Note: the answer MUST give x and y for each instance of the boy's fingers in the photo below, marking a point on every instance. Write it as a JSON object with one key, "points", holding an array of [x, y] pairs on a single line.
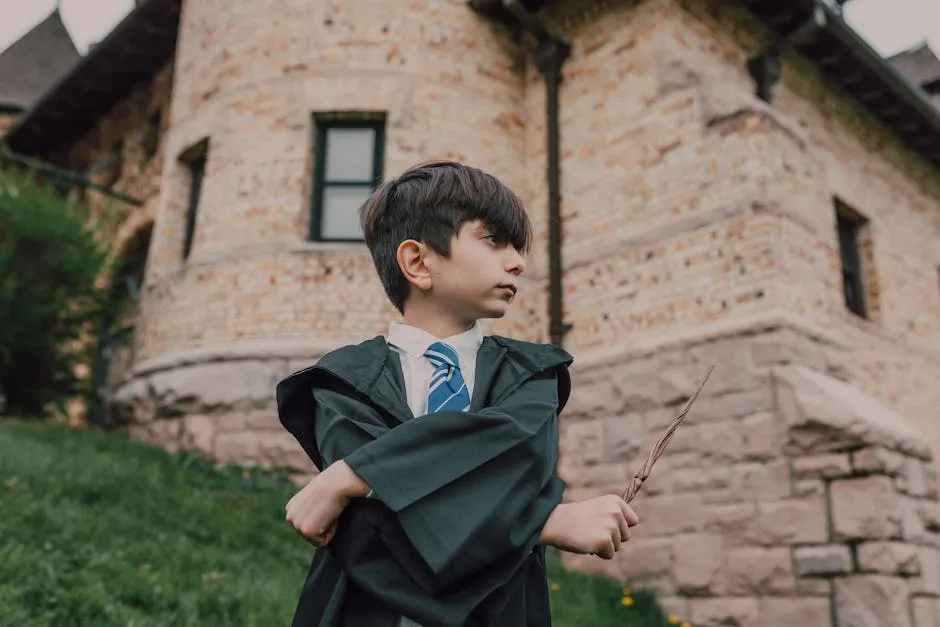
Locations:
{"points": [[624, 529], [628, 513]]}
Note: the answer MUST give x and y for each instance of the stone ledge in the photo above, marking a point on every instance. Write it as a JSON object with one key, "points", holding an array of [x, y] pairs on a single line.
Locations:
{"points": [[703, 334], [262, 348], [824, 415]]}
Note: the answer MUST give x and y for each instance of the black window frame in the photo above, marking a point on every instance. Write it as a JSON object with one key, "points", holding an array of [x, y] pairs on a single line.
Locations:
{"points": [[323, 123], [194, 159], [849, 225]]}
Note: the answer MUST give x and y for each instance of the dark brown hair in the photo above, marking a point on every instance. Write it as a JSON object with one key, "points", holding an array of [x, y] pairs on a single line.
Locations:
{"points": [[429, 203]]}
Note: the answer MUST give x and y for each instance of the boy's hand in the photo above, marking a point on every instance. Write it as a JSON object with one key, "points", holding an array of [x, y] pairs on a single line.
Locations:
{"points": [[314, 510], [599, 526]]}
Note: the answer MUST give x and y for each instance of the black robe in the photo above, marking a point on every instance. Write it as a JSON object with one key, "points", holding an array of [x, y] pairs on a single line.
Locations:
{"points": [[452, 537]]}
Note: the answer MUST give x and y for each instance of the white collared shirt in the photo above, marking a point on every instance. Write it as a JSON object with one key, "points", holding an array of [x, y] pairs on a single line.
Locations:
{"points": [[411, 343]]}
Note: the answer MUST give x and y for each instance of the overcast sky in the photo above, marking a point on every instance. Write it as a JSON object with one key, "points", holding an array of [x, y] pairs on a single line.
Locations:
{"points": [[888, 25]]}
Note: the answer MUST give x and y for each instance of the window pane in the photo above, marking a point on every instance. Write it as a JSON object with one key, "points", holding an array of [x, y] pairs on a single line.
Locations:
{"points": [[340, 215], [349, 154]]}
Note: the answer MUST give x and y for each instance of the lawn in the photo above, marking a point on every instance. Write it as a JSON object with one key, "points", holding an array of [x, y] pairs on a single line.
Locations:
{"points": [[97, 530]]}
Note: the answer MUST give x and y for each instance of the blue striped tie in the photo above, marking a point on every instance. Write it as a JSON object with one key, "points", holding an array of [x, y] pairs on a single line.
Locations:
{"points": [[447, 390]]}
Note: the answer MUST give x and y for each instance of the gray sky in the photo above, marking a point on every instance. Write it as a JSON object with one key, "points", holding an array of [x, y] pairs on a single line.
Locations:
{"points": [[888, 25]]}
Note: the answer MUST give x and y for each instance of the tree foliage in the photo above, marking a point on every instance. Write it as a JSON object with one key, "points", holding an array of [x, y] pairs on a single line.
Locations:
{"points": [[53, 259]]}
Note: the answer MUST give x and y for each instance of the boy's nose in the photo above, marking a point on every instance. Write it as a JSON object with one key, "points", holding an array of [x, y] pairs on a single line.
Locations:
{"points": [[516, 263]]}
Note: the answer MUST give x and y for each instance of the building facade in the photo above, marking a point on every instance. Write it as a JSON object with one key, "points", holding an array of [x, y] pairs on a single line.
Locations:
{"points": [[789, 239]]}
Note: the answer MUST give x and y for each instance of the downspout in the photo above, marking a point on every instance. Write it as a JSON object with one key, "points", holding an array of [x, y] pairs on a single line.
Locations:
{"points": [[549, 55]]}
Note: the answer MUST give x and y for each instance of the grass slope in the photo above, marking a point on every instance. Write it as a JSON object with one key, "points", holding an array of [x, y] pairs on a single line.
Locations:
{"points": [[98, 530]]}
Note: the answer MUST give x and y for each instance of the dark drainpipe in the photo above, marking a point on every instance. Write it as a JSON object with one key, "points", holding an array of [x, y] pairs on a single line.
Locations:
{"points": [[549, 55]]}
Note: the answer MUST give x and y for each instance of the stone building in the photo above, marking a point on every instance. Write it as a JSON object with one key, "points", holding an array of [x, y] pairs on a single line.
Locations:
{"points": [[738, 182]]}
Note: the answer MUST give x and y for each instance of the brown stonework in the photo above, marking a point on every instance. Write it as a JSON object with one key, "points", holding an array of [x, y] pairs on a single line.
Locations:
{"points": [[836, 523]]}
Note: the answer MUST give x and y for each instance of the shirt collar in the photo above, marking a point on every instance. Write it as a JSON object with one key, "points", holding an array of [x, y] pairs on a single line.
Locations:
{"points": [[415, 341]]}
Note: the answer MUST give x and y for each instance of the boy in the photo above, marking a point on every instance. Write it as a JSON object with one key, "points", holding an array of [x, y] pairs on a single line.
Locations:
{"points": [[438, 445]]}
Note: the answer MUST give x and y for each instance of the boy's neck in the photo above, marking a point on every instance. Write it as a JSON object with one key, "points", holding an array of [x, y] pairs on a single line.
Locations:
{"points": [[435, 322]]}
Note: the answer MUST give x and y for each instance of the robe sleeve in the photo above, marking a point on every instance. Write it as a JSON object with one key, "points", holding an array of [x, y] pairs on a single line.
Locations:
{"points": [[470, 490]]}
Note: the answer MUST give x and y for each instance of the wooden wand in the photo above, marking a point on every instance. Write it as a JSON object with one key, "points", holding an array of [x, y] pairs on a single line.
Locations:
{"points": [[634, 486]]}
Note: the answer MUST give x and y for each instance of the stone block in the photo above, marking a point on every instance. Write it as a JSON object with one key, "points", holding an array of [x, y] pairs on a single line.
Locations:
{"points": [[733, 405], [753, 481], [872, 601], [198, 432], [734, 520], [892, 558], [592, 398], [929, 512], [913, 525], [724, 612], [701, 479], [623, 437], [824, 415], [673, 514], [759, 571], [644, 558], [761, 437], [581, 440], [913, 477], [822, 561], [865, 508], [929, 559], [804, 612], [698, 566], [790, 521], [925, 611], [831, 466], [875, 459]]}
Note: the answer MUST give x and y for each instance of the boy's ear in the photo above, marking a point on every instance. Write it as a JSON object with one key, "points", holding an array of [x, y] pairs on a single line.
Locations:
{"points": [[412, 259]]}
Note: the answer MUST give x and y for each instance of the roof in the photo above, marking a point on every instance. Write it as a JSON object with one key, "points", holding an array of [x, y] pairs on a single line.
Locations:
{"points": [[129, 56], [841, 54], [36, 61], [919, 64]]}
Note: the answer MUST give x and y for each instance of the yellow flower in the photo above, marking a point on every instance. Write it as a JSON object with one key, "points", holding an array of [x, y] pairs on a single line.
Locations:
{"points": [[673, 620], [627, 601], [685, 625], [555, 586]]}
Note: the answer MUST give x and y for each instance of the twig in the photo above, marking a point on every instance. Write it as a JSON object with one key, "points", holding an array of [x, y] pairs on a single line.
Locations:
{"points": [[633, 487]]}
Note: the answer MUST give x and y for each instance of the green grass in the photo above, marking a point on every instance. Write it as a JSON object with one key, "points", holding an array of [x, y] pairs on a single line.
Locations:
{"points": [[96, 530]]}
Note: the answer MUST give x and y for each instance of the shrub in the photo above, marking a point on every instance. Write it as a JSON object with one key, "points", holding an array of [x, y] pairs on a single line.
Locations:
{"points": [[52, 260]]}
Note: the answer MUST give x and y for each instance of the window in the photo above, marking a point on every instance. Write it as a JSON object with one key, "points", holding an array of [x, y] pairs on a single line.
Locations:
{"points": [[194, 160], [347, 166], [850, 225]]}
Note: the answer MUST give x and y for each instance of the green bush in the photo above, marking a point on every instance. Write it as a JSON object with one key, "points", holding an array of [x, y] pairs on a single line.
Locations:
{"points": [[51, 259]]}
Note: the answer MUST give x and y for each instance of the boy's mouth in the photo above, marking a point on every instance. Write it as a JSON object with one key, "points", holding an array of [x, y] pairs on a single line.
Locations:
{"points": [[508, 286]]}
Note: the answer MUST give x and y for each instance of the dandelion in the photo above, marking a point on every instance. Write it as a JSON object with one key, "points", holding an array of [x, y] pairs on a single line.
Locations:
{"points": [[673, 620], [685, 625], [626, 601], [555, 586]]}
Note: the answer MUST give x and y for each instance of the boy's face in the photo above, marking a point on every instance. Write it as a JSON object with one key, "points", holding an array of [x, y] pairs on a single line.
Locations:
{"points": [[480, 277]]}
